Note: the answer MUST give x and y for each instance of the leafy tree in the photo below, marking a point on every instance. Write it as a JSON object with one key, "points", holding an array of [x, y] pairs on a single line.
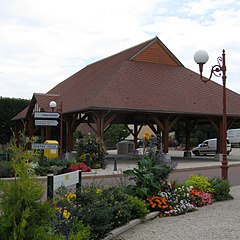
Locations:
{"points": [[9, 107], [114, 134]]}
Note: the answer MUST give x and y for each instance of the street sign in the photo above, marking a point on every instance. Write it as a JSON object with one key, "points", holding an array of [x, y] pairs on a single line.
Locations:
{"points": [[43, 122], [46, 115], [44, 146]]}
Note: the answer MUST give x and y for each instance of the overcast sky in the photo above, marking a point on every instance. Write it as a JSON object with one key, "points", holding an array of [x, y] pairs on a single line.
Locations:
{"points": [[42, 42]]}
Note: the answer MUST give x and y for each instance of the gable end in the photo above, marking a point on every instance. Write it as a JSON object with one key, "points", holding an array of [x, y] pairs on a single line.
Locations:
{"points": [[156, 53]]}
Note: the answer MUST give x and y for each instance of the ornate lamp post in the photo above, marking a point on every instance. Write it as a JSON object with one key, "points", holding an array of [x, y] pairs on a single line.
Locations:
{"points": [[219, 70], [53, 105]]}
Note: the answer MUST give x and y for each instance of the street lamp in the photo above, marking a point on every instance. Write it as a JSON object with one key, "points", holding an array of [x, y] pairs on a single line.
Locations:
{"points": [[53, 105], [219, 70]]}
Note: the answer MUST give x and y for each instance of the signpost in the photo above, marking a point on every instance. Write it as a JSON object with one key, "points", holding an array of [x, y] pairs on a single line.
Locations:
{"points": [[45, 119], [45, 122], [39, 146], [48, 115]]}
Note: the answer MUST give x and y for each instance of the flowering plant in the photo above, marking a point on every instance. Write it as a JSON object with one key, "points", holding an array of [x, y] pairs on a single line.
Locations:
{"points": [[159, 203], [146, 136], [175, 200], [200, 198], [65, 214], [80, 166], [96, 149]]}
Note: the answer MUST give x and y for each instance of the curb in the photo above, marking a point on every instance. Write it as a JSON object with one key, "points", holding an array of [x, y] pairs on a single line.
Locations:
{"points": [[117, 231]]}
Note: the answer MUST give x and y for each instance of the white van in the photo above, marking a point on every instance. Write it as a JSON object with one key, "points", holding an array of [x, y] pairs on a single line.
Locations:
{"points": [[234, 137], [209, 146]]}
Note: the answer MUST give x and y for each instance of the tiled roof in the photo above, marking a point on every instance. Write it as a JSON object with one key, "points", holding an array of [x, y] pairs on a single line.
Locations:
{"points": [[122, 82], [42, 101], [147, 78]]}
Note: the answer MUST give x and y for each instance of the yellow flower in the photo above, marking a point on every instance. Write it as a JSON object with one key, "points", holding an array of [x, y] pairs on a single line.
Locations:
{"points": [[98, 190], [147, 136], [59, 209], [70, 196], [66, 214]]}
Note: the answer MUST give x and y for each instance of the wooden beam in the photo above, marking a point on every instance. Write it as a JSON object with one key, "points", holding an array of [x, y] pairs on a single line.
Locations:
{"points": [[108, 121], [172, 124], [158, 122]]}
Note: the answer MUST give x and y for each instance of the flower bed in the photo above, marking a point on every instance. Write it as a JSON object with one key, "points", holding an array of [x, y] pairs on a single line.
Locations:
{"points": [[93, 211]]}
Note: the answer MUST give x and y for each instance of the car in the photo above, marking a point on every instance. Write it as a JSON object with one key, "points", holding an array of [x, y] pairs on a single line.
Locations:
{"points": [[209, 146]]}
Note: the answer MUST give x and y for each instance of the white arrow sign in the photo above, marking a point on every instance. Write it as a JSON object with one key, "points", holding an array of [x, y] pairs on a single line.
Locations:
{"points": [[43, 122], [46, 115], [44, 146]]}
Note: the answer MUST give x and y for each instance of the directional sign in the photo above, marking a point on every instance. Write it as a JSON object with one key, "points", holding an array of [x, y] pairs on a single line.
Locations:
{"points": [[46, 115], [44, 122], [44, 146]]}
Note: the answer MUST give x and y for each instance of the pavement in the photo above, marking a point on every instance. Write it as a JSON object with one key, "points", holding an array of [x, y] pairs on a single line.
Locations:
{"points": [[129, 161]]}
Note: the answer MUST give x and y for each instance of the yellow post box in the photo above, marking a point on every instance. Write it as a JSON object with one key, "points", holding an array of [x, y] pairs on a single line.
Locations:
{"points": [[51, 149]]}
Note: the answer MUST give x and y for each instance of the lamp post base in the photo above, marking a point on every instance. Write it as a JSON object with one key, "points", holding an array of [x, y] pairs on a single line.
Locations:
{"points": [[224, 172]]}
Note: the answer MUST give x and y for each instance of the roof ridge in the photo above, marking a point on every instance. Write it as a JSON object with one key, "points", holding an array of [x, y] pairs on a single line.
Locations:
{"points": [[48, 94]]}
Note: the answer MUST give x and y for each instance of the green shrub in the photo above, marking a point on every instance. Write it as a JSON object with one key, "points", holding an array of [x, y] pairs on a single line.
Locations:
{"points": [[152, 170], [52, 166], [138, 207], [119, 202], [80, 232], [6, 169], [221, 189], [92, 145], [99, 217], [200, 182], [88, 195]]}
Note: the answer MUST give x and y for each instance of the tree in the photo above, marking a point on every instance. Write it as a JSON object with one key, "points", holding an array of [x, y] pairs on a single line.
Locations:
{"points": [[114, 134], [9, 107]]}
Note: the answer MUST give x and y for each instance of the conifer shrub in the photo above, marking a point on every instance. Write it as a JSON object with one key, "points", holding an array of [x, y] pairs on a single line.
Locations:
{"points": [[23, 215]]}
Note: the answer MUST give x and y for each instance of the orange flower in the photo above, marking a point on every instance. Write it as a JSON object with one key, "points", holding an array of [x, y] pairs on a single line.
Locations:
{"points": [[164, 200]]}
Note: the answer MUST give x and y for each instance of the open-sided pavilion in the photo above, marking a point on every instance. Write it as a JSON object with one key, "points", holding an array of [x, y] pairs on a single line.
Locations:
{"points": [[143, 85]]}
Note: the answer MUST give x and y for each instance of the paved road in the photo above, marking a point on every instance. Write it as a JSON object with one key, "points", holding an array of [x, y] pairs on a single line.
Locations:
{"points": [[204, 165]]}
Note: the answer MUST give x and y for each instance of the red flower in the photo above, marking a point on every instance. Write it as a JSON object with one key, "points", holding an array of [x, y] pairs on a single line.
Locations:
{"points": [[81, 166], [84, 167], [73, 167]]}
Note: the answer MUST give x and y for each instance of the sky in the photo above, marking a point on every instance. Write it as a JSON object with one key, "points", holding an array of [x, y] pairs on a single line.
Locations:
{"points": [[43, 42]]}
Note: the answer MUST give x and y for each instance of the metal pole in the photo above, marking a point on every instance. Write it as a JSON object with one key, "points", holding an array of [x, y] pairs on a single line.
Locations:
{"points": [[61, 123], [50, 185], [224, 165]]}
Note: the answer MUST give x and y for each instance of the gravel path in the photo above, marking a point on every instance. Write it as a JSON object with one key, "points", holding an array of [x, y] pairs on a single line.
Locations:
{"points": [[219, 221]]}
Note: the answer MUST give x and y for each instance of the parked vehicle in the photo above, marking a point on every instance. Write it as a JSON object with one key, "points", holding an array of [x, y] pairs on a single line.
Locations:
{"points": [[209, 146], [234, 137]]}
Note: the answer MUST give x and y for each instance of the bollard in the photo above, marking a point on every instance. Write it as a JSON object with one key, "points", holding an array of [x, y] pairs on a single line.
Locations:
{"points": [[88, 159], [115, 164], [104, 164]]}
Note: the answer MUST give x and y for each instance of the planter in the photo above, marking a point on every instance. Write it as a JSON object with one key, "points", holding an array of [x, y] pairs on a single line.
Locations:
{"points": [[117, 231]]}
